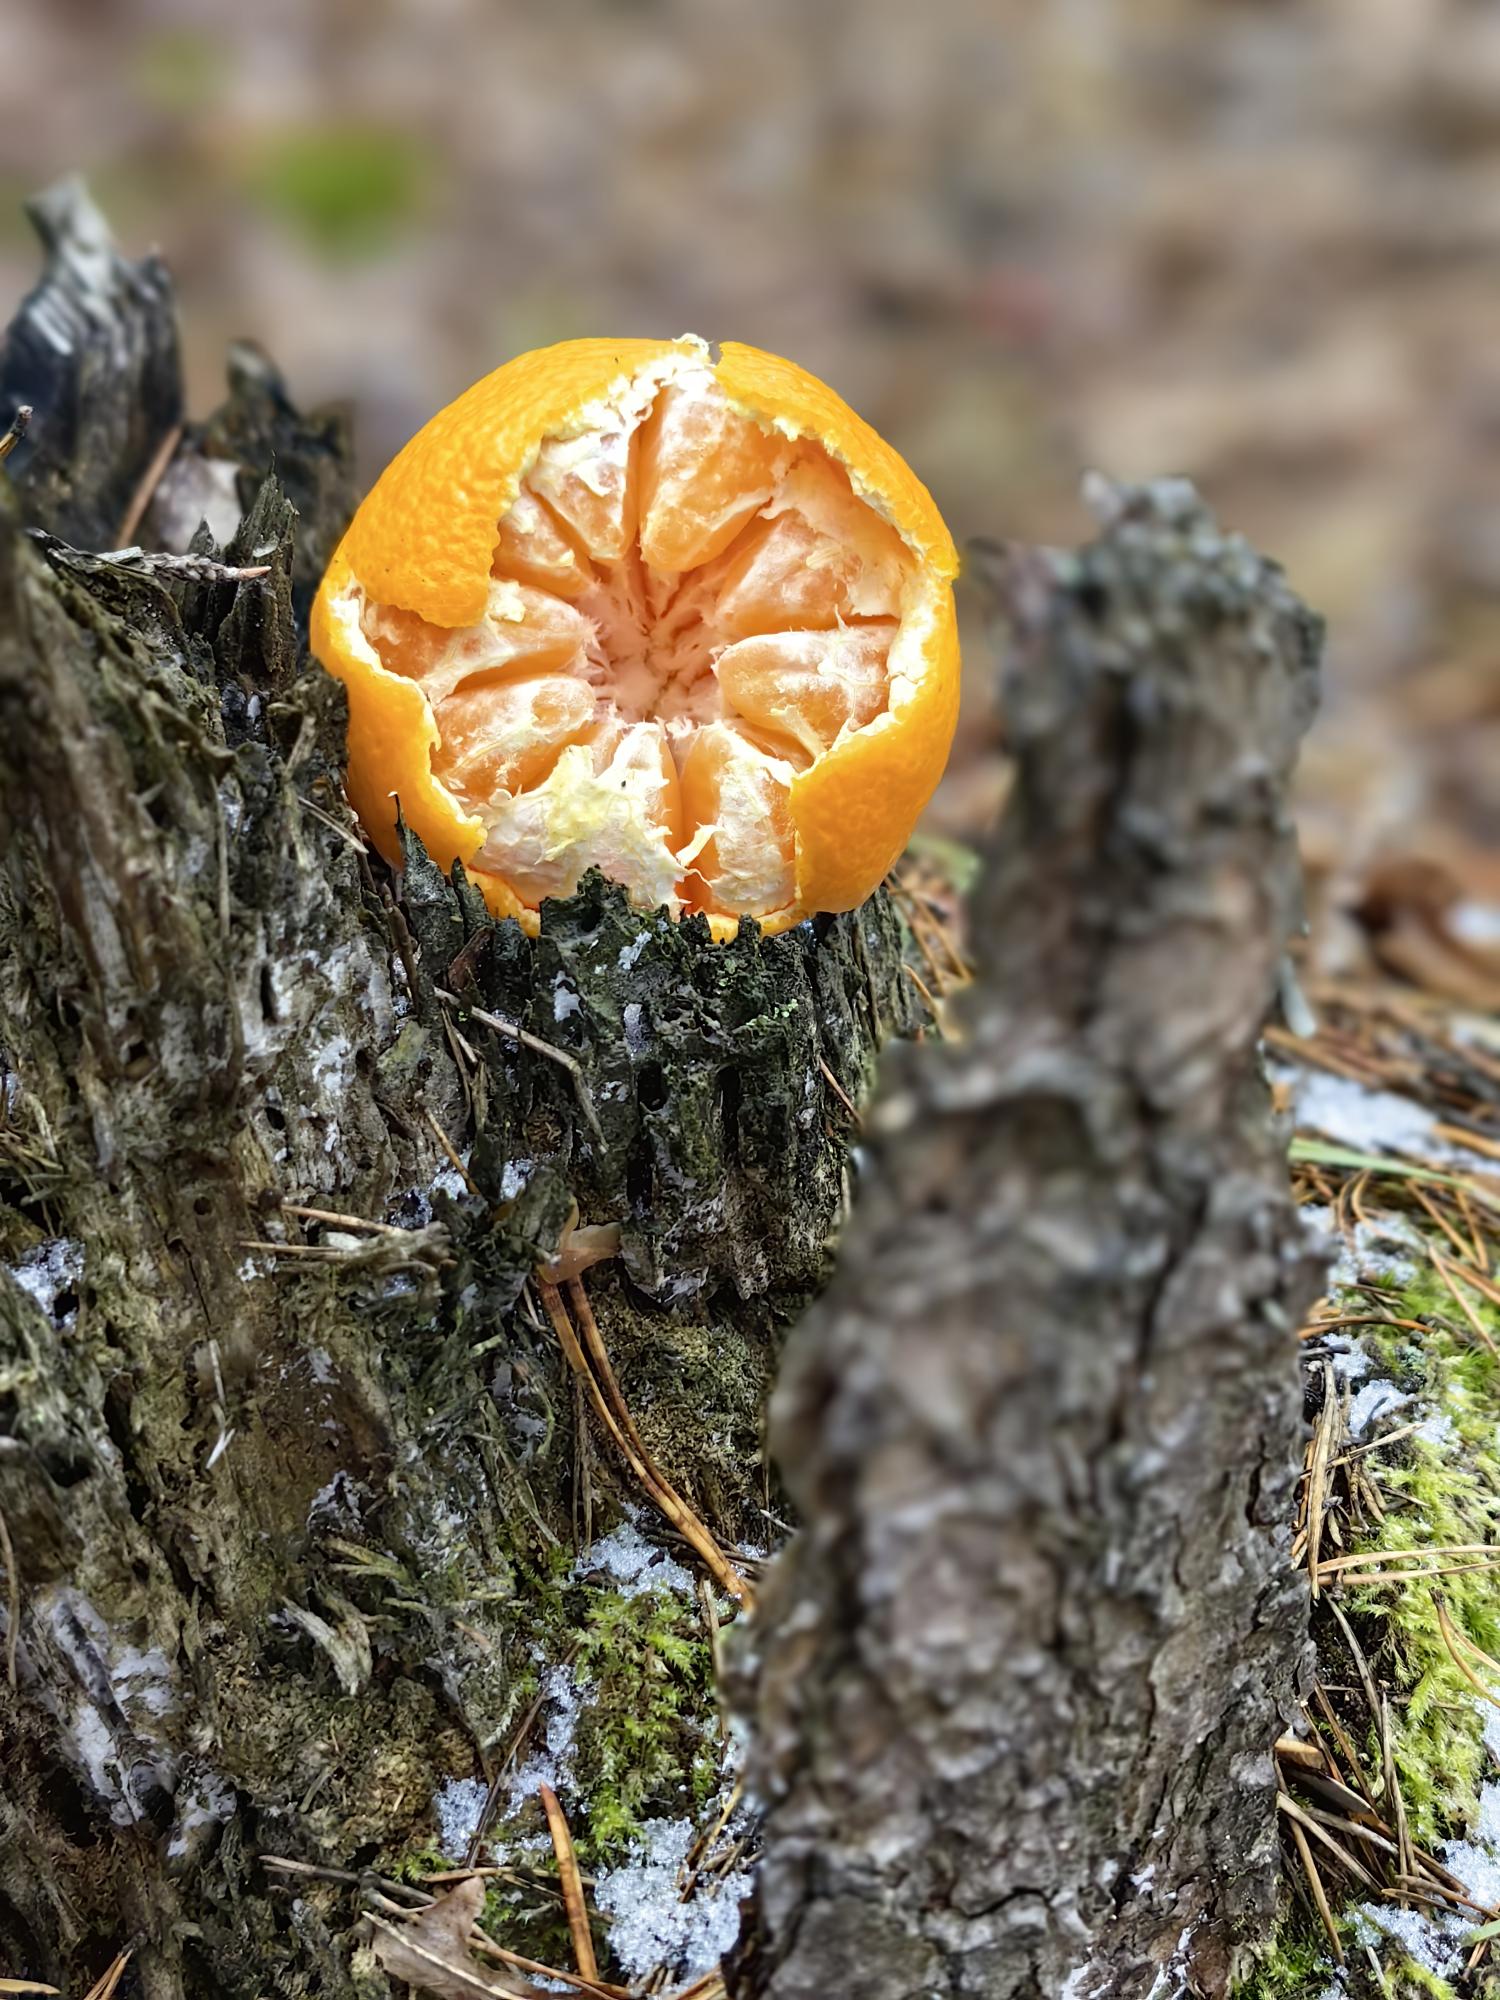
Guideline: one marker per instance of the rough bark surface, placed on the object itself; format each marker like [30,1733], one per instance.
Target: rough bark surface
[293,1506]
[1019,1677]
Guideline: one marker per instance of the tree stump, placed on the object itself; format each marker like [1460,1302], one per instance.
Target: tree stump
[299,1487]
[1020,1675]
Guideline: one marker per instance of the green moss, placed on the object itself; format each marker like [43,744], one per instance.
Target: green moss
[648,1672]
[1437,1492]
[1406,1979]
[417,1863]
[1292,1968]
[532,1921]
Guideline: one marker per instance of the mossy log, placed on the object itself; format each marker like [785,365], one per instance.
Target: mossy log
[297,1505]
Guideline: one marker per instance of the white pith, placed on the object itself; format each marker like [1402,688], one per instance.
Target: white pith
[650,716]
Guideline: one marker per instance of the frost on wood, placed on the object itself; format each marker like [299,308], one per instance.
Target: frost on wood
[1019,1677]
[297,1505]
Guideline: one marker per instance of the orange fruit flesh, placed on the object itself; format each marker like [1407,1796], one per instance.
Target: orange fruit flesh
[686,613]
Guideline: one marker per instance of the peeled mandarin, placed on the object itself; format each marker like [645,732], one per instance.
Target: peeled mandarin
[613,562]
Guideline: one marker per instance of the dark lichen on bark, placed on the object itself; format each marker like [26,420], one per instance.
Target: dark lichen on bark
[293,1525]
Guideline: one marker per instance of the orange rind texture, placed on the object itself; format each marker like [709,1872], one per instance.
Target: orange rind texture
[803,795]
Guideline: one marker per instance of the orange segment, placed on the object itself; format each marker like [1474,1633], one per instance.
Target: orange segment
[854,810]
[587,482]
[808,687]
[611,562]
[533,548]
[505,736]
[704,471]
[524,630]
[740,797]
[778,575]
[820,556]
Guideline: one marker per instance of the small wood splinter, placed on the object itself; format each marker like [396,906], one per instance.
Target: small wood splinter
[19,425]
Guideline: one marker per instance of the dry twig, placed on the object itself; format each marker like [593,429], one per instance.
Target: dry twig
[609,1406]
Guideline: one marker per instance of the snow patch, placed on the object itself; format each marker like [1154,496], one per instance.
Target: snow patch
[633,1564]
[1376,1399]
[1363,1254]
[458,1804]
[1074,1987]
[1368,1121]
[1438,1940]
[550,1761]
[1171,1983]
[449,1181]
[336,1503]
[49,1271]
[651,1924]
[1350,1363]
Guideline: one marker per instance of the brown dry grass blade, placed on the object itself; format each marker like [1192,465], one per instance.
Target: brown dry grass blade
[1319,1893]
[572,1888]
[104,1986]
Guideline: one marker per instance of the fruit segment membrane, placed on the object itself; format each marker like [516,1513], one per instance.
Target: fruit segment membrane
[685,611]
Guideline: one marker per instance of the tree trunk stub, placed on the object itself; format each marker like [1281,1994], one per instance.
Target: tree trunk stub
[1019,1677]
[303,1512]
[300,1509]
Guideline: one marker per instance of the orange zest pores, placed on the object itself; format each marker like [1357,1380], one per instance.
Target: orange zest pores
[626,605]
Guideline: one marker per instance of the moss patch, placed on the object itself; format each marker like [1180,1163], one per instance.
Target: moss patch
[1440,1488]
[645,1664]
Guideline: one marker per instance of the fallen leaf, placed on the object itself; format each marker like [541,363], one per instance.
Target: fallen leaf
[431,1950]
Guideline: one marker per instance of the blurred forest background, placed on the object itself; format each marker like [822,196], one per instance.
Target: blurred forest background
[1252,241]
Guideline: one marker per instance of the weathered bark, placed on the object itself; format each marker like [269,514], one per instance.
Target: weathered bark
[1020,1674]
[293,1527]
